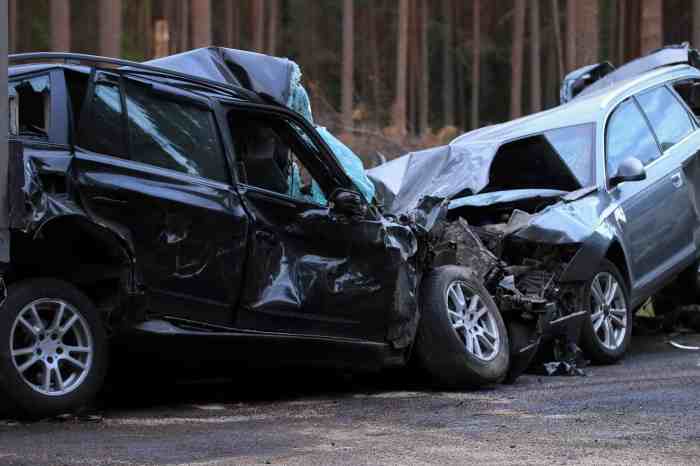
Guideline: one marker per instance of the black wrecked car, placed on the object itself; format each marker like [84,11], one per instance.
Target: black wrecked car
[179,209]
[592,205]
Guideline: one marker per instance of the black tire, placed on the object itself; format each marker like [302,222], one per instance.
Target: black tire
[440,350]
[23,398]
[590,342]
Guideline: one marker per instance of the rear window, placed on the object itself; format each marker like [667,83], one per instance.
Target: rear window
[574,144]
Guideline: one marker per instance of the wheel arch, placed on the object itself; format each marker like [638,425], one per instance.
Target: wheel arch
[93,257]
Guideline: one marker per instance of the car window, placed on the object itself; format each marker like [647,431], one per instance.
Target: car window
[103,133]
[668,118]
[574,144]
[628,135]
[173,134]
[30,107]
[689,91]
[268,151]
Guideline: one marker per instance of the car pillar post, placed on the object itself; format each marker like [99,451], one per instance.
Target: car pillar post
[4,131]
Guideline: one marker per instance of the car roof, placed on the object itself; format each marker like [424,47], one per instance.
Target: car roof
[588,108]
[16,70]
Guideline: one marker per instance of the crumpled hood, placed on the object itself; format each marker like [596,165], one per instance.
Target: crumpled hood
[263,74]
[462,167]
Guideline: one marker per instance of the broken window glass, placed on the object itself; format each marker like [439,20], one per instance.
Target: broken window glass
[574,145]
[267,149]
[32,98]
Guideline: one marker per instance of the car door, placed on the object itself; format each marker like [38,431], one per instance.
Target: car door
[679,142]
[312,270]
[150,162]
[643,215]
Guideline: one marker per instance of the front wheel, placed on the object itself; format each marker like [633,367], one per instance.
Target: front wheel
[606,335]
[53,348]
[462,339]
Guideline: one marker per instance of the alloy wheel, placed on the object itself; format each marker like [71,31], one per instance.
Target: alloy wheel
[473,322]
[51,346]
[608,311]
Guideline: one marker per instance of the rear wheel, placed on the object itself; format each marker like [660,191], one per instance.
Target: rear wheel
[53,348]
[606,335]
[462,340]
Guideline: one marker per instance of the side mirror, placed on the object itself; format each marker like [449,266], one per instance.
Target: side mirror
[349,203]
[631,169]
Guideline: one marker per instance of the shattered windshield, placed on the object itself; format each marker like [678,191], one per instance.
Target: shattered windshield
[574,144]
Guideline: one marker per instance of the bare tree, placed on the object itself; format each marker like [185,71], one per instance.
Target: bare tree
[399,110]
[621,27]
[476,62]
[60,26]
[257,25]
[424,74]
[272,26]
[110,27]
[571,22]
[651,35]
[535,63]
[696,23]
[587,32]
[12,26]
[201,23]
[232,16]
[348,62]
[558,47]
[516,61]
[448,84]
[375,74]
[184,20]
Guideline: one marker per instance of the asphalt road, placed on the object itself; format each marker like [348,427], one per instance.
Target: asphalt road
[643,411]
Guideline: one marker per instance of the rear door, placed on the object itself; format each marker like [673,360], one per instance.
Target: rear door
[677,137]
[150,162]
[644,214]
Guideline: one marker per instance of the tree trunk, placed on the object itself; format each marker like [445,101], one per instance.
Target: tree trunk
[448,84]
[348,63]
[184,39]
[399,113]
[374,59]
[587,33]
[535,62]
[424,73]
[696,23]
[621,28]
[201,23]
[110,28]
[558,47]
[257,27]
[571,23]
[651,25]
[476,62]
[273,25]
[516,71]
[233,24]
[60,26]
[12,26]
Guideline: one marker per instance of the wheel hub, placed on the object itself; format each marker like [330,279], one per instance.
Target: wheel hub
[472,321]
[51,346]
[608,310]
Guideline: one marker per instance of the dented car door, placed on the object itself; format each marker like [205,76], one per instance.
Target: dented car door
[312,269]
[150,163]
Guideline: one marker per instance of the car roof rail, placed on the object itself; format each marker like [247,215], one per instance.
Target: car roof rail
[131,66]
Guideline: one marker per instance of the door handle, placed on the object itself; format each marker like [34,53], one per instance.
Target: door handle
[677,180]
